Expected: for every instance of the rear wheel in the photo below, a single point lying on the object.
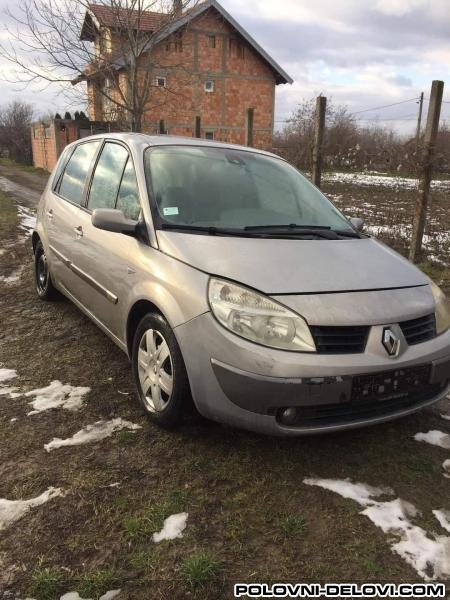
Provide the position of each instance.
(159, 372)
(42, 278)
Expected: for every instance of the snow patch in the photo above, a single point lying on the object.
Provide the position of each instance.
(430, 557)
(7, 374)
(445, 417)
(14, 277)
(173, 528)
(75, 596)
(367, 179)
(360, 492)
(92, 433)
(9, 391)
(13, 510)
(446, 467)
(436, 438)
(57, 395)
(443, 516)
(27, 219)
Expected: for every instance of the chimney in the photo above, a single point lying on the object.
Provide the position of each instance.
(177, 7)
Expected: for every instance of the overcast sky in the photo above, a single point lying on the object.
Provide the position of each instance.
(363, 53)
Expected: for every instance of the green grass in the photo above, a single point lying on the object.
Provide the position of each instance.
(126, 437)
(292, 525)
(8, 215)
(201, 569)
(46, 583)
(12, 164)
(440, 274)
(151, 520)
(94, 584)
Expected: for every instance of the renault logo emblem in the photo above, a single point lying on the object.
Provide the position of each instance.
(391, 342)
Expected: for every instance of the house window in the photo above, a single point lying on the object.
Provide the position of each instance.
(211, 41)
(209, 86)
(209, 135)
(236, 48)
(47, 133)
(178, 42)
(162, 128)
(161, 82)
(107, 98)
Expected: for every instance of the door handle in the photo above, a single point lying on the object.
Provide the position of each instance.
(50, 214)
(79, 231)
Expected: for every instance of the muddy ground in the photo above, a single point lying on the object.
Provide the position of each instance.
(251, 517)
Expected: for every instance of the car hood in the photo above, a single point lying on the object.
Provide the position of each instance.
(278, 266)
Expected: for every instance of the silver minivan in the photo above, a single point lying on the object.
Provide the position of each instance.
(232, 283)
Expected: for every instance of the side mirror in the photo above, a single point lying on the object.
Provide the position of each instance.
(357, 223)
(112, 219)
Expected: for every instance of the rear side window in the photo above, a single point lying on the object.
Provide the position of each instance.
(60, 167)
(128, 198)
(77, 169)
(107, 176)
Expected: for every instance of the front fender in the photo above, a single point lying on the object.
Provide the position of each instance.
(177, 290)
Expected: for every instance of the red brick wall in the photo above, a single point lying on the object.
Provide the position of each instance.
(43, 144)
(48, 140)
(240, 84)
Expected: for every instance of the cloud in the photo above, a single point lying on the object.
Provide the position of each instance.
(359, 53)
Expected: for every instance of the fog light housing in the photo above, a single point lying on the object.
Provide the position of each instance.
(288, 416)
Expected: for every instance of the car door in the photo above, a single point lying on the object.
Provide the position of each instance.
(100, 257)
(62, 207)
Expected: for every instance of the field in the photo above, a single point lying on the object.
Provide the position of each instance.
(258, 509)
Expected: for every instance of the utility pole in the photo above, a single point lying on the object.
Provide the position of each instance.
(319, 126)
(419, 118)
(431, 130)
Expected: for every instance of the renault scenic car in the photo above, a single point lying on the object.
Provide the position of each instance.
(233, 283)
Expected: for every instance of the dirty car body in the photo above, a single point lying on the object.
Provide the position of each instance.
(288, 320)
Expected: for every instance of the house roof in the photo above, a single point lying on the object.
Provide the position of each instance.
(101, 15)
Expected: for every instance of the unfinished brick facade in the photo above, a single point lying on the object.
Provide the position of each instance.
(215, 83)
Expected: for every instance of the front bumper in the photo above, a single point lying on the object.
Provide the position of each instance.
(242, 384)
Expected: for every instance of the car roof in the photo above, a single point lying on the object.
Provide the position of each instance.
(145, 140)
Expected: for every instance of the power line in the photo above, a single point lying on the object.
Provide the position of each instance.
(411, 117)
(385, 106)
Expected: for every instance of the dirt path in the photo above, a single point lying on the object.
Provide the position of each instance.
(21, 193)
(251, 517)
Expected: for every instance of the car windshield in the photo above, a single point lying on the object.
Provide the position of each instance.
(221, 188)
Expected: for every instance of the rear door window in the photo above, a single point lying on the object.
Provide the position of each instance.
(107, 176)
(76, 171)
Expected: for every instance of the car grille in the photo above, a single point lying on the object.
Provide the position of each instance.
(419, 330)
(340, 340)
(376, 394)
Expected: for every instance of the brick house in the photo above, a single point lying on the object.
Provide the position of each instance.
(213, 80)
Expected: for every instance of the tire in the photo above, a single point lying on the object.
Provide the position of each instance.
(159, 372)
(42, 278)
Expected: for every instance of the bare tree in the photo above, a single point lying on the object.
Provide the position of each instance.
(350, 145)
(114, 47)
(15, 122)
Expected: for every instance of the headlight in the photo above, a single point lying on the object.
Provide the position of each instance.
(442, 308)
(258, 318)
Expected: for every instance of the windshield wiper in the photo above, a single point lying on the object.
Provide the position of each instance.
(348, 233)
(203, 229)
(289, 226)
(295, 230)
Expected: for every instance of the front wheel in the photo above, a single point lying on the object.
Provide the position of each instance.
(159, 372)
(42, 278)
